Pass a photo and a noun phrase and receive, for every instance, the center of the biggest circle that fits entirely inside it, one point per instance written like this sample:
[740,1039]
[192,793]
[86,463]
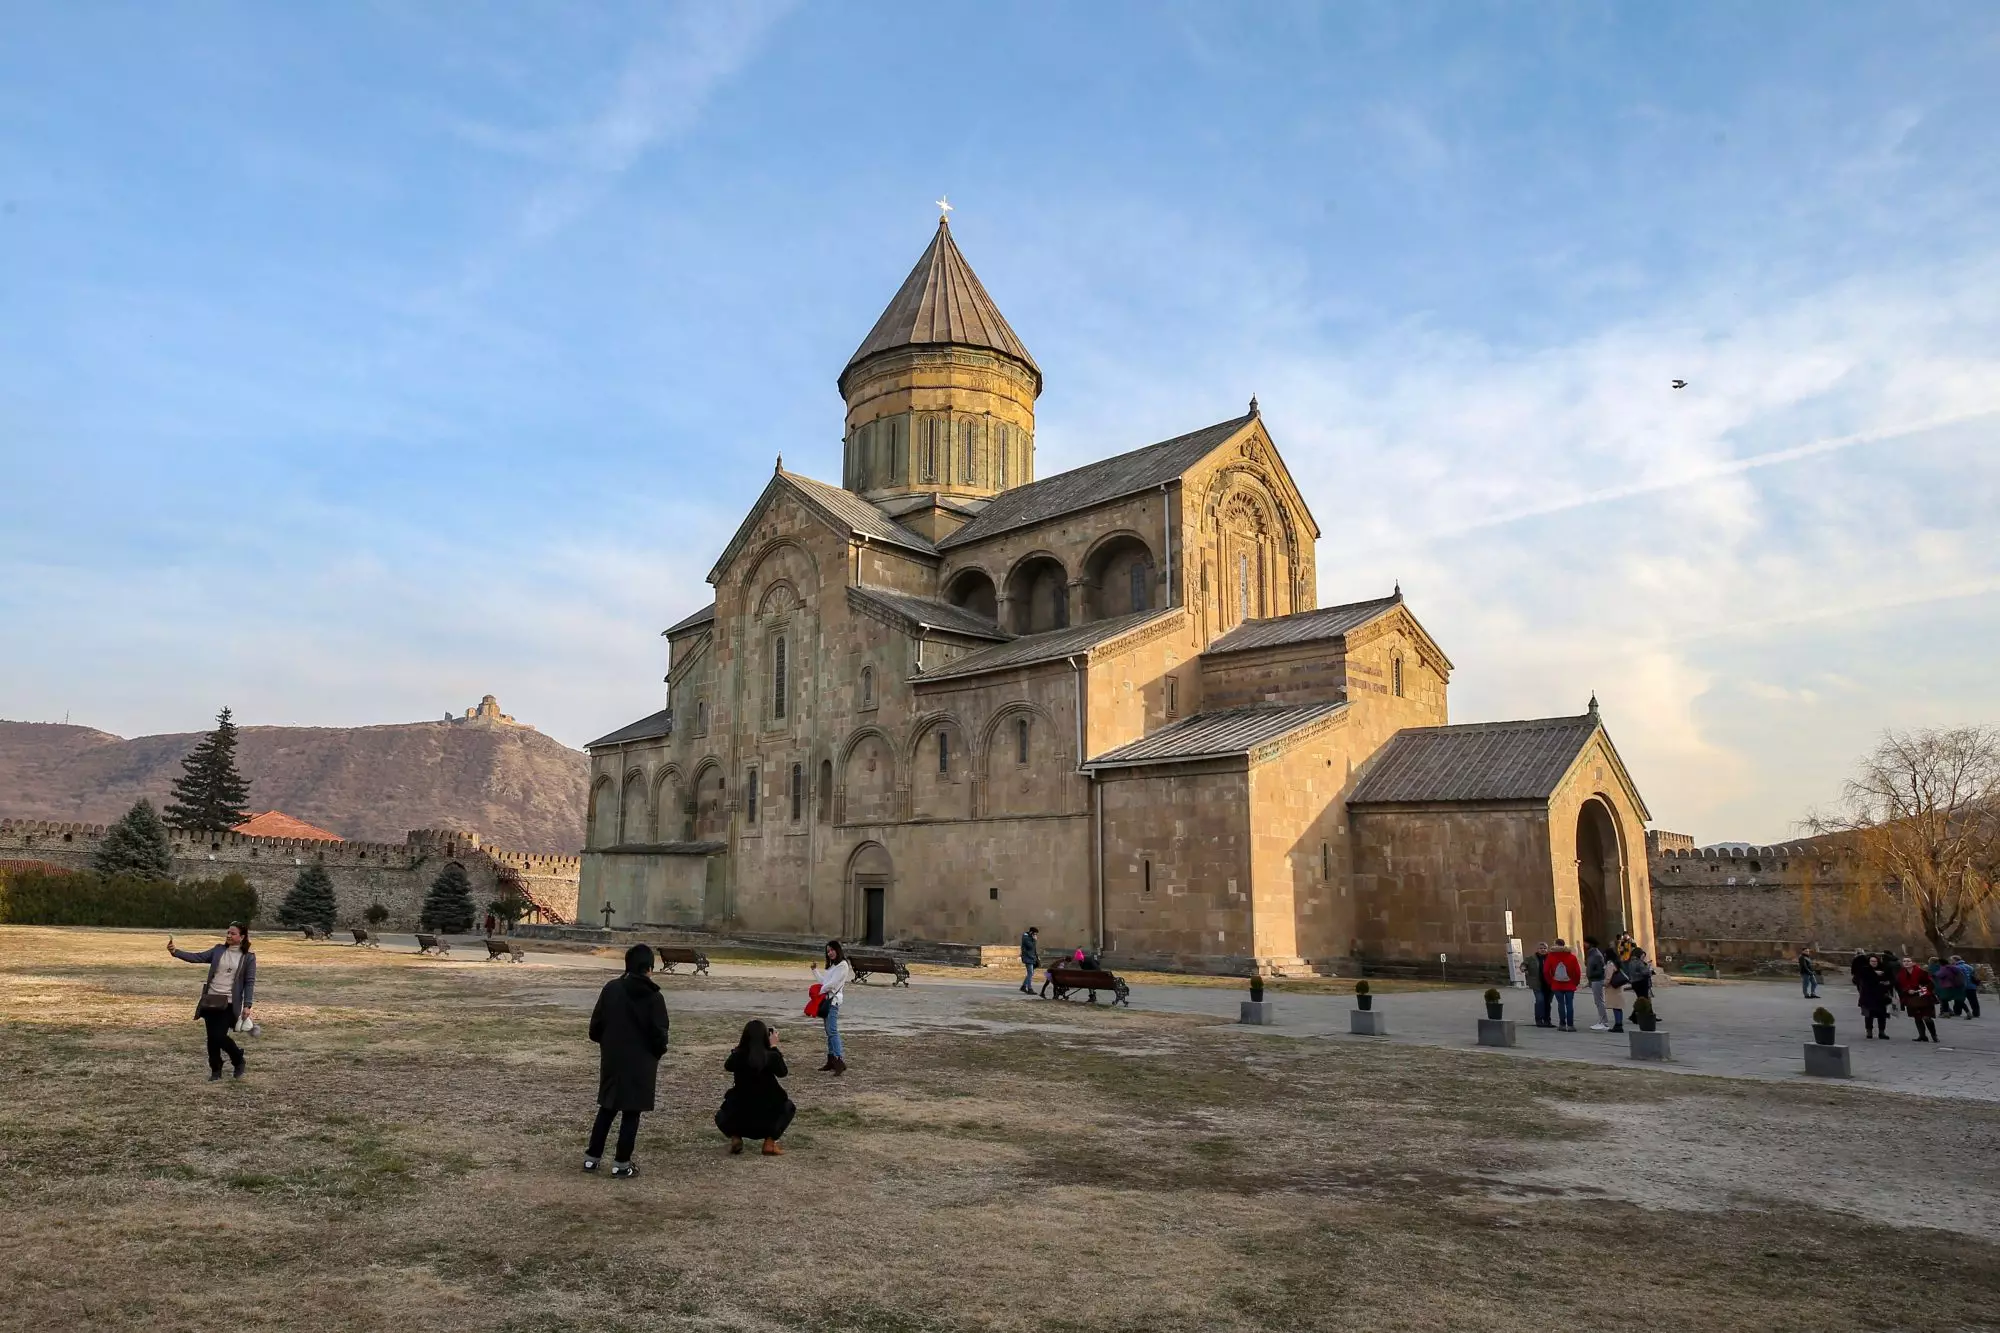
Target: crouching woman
[226,994]
[757,1107]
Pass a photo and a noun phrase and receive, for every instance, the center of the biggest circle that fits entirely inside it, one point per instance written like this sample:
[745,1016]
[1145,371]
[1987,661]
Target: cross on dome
[944,206]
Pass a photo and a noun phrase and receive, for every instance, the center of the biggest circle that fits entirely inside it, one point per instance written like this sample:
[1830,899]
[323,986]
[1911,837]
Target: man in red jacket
[1563,972]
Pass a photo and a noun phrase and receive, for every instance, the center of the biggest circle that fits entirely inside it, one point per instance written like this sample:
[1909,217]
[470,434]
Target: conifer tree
[209,795]
[135,845]
[448,906]
[311,901]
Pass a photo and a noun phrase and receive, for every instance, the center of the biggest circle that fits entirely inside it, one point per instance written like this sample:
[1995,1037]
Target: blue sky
[359,360]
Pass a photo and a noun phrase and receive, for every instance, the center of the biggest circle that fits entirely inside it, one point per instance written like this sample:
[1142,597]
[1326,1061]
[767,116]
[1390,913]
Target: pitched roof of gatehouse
[1480,761]
[278,824]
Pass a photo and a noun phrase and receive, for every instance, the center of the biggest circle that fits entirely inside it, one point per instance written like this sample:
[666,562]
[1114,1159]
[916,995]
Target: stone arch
[1600,870]
[1038,593]
[868,779]
[941,790]
[635,814]
[670,804]
[1119,571]
[779,597]
[754,567]
[708,789]
[1011,787]
[1283,583]
[973,588]
[871,878]
[602,818]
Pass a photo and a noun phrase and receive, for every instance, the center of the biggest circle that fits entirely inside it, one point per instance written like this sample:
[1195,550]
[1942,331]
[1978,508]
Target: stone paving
[1740,1029]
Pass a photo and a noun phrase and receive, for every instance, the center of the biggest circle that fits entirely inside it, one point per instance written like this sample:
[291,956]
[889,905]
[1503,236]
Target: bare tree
[1923,812]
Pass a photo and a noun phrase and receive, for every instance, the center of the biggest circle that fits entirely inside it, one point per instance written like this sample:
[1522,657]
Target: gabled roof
[845,511]
[278,824]
[1052,646]
[1328,622]
[942,302]
[1480,761]
[650,727]
[928,613]
[1218,735]
[1095,483]
[702,617]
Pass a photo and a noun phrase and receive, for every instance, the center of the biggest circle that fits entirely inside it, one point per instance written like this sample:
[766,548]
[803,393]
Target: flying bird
[1679,384]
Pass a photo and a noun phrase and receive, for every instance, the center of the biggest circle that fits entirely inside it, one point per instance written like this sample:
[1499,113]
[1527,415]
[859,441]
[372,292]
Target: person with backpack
[1565,974]
[1538,977]
[1808,974]
[757,1107]
[1594,972]
[1031,957]
[629,1026]
[226,994]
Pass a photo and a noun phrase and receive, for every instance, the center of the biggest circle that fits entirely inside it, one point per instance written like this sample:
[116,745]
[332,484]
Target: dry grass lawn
[405,1151]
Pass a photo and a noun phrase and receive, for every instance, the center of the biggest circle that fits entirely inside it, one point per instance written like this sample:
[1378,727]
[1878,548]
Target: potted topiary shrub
[1822,1026]
[1256,990]
[1363,998]
[1492,1002]
[1643,1016]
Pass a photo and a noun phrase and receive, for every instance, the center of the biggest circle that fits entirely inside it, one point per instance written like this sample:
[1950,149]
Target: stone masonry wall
[397,875]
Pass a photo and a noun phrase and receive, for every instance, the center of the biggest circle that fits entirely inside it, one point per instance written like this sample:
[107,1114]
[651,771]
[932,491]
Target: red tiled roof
[278,824]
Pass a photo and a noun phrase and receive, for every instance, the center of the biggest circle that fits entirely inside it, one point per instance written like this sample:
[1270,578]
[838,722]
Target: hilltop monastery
[947,699]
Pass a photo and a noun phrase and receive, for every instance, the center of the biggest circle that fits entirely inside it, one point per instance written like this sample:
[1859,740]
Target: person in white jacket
[831,983]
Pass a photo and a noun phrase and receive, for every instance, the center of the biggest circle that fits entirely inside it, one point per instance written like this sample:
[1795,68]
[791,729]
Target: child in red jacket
[1563,972]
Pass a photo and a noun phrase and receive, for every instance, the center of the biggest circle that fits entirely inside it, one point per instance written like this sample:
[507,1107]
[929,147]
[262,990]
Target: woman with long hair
[226,994]
[756,1107]
[831,983]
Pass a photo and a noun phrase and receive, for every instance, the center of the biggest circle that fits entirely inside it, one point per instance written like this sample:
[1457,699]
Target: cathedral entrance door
[872,897]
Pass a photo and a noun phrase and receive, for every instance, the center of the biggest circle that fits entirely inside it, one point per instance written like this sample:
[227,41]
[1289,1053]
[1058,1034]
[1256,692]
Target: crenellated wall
[397,875]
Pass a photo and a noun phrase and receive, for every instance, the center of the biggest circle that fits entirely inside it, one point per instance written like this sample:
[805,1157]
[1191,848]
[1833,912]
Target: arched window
[798,791]
[1148,888]
[1021,740]
[750,796]
[969,437]
[944,751]
[1242,586]
[867,687]
[930,449]
[1000,454]
[825,790]
[701,717]
[778,677]
[1396,676]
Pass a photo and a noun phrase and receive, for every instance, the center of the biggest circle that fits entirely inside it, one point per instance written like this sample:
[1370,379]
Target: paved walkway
[1741,1029]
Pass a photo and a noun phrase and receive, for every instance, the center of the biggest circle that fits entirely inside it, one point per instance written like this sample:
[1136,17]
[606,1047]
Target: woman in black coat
[1873,989]
[757,1107]
[629,1026]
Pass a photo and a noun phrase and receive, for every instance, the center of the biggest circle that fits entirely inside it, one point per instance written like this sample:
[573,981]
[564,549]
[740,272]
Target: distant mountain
[513,786]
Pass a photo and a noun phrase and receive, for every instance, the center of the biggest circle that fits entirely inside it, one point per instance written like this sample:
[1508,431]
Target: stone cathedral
[948,699]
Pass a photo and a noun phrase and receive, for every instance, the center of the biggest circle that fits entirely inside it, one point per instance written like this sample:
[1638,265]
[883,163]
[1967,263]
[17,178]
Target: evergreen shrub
[57,898]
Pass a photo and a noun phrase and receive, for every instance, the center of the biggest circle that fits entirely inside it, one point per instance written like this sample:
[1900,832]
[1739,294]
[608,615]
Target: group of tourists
[1948,986]
[629,1024]
[1031,958]
[1556,974]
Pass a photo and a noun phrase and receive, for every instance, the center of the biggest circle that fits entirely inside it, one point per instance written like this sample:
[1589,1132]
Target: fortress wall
[397,875]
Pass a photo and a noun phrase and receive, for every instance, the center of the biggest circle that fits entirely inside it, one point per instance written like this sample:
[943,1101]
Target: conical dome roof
[942,301]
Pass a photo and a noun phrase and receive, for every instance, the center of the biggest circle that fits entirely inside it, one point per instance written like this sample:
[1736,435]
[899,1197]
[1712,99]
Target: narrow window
[1149,876]
[1242,587]
[798,791]
[1173,696]
[1000,454]
[1325,862]
[944,752]
[867,687]
[778,678]
[701,717]
[971,455]
[993,894]
[750,797]
[930,451]
[1021,740]
[825,790]
[1396,676]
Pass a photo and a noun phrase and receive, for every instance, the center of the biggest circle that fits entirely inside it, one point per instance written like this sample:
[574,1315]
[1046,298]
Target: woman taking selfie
[225,995]
[757,1107]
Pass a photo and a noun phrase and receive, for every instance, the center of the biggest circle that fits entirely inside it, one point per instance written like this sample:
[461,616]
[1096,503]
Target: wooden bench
[502,949]
[435,945]
[314,932]
[363,937]
[1064,982]
[865,964]
[670,956]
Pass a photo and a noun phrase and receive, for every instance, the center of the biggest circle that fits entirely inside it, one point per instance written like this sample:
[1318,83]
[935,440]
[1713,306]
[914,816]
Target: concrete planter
[1367,1023]
[1258,1012]
[1496,1032]
[1649,1045]
[1828,1061]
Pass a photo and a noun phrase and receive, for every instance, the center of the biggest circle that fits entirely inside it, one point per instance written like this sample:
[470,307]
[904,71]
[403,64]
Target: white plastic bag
[247,1026]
